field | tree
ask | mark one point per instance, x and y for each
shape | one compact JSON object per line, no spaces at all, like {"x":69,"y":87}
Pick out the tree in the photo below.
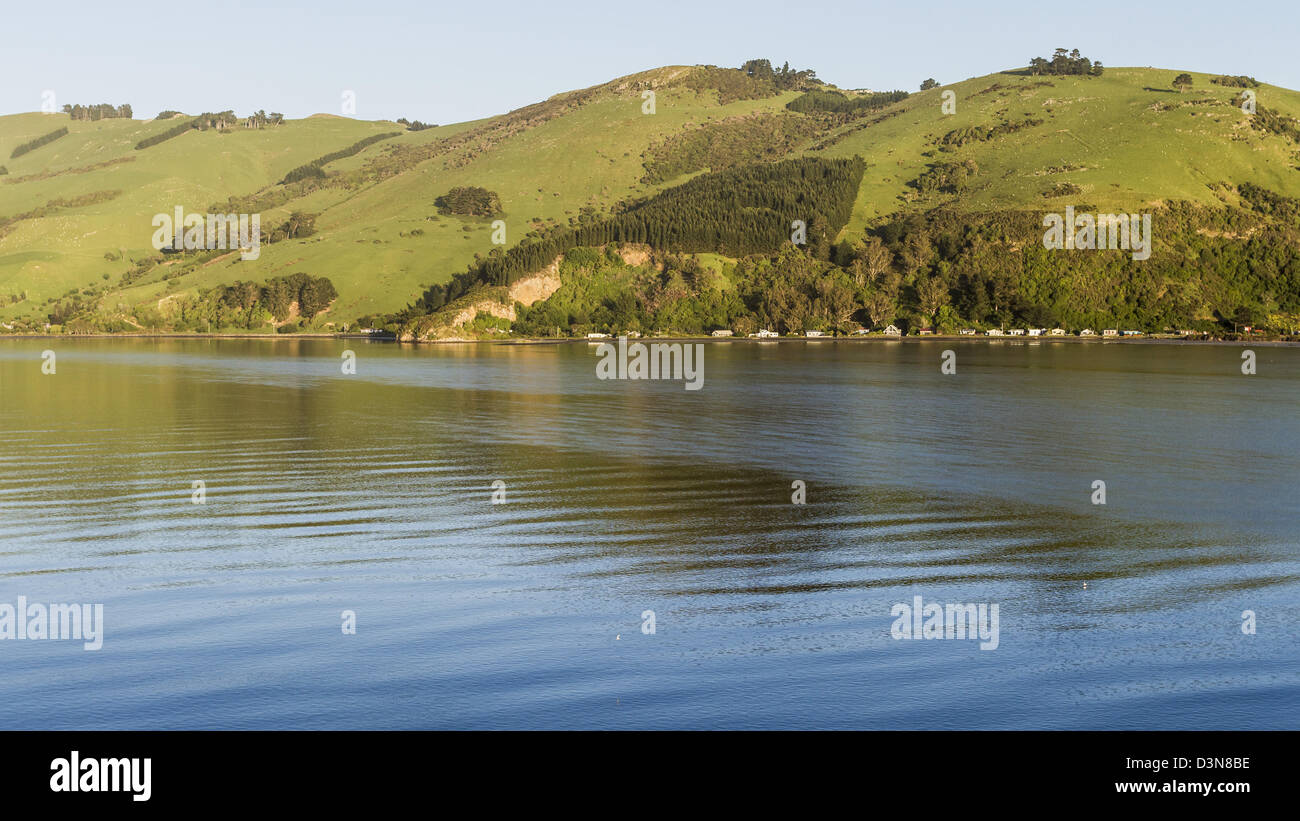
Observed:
{"x":880,"y":308}
{"x":1243,"y":317}
{"x":931,"y":295}
{"x":1183,"y":82}
{"x":926,"y":85}
{"x":787,"y":305}
{"x":917,"y":252}
{"x":1064,"y":62}
{"x":834,"y":301}
{"x":759,"y":69}
{"x":870,"y":259}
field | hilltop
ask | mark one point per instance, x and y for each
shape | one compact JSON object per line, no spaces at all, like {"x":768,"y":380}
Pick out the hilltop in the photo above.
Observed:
{"x":390,"y":215}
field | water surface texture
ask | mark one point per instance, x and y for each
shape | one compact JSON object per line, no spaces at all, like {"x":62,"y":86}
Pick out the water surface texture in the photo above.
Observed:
{"x":372,"y":492}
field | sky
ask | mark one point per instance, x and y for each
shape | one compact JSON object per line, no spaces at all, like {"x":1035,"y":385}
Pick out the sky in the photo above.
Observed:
{"x":445,"y":63}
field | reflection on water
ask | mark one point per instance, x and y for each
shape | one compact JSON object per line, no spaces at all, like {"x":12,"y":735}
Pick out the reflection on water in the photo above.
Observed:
{"x":372,"y":492}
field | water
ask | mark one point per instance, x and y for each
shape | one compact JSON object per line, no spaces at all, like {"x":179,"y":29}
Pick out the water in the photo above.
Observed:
{"x":372,"y":492}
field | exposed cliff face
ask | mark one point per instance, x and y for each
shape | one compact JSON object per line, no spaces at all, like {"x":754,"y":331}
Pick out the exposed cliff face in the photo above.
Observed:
{"x":499,"y":302}
{"x":536,"y":287}
{"x":635,"y":254}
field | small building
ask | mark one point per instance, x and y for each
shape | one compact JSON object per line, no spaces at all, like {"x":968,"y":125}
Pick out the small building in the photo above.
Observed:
{"x":1035,"y":331}
{"x":967,"y":332}
{"x":722,"y":332}
{"x":995,"y":332}
{"x":765,"y":334}
{"x":1132,"y":333}
{"x":1110,"y":332}
{"x":861,"y":331}
{"x":1056,"y":332}
{"x":1087,"y":332}
{"x":597,"y":336}
{"x":927,"y":332}
{"x":1017,"y":331}
{"x":813,"y":334}
{"x":892,"y":330}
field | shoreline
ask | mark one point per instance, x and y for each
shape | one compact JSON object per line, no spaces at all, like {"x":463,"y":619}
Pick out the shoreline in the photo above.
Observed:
{"x":1018,"y":340}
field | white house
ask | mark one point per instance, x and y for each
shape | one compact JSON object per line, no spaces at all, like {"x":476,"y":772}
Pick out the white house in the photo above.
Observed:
{"x":892,"y":331}
{"x":1017,"y":331}
{"x":994,"y":332}
{"x":1087,"y":332}
{"x":813,"y":334}
{"x":967,"y":332}
{"x":722,"y":332}
{"x":1057,"y":332}
{"x":1110,"y":332}
{"x":765,"y":334}
{"x":1035,"y":331}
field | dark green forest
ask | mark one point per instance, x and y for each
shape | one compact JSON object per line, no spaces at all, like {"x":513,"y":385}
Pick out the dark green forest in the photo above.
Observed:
{"x":735,"y":212}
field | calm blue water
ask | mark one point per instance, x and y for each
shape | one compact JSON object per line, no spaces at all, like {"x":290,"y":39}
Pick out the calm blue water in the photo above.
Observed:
{"x":372,"y":492}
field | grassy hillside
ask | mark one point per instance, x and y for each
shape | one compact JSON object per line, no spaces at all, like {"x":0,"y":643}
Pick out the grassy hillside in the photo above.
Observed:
{"x":1127,"y":139}
{"x":83,"y":203}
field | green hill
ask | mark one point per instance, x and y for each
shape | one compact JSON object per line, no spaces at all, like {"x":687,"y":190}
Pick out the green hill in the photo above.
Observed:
{"x":76,"y":212}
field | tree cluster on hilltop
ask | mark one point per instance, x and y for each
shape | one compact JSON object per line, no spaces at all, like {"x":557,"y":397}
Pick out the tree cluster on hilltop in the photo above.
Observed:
{"x":102,"y":111}
{"x":1235,"y":81}
{"x":754,"y":80}
{"x":1064,"y":62}
{"x":783,"y":77}
{"x":208,"y":120}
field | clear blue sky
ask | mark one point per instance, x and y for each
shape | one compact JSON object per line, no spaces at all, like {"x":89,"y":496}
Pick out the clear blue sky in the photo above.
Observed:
{"x":447,"y":62}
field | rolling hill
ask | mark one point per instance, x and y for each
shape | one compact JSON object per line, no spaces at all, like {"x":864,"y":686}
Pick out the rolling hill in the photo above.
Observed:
{"x":76,"y":213}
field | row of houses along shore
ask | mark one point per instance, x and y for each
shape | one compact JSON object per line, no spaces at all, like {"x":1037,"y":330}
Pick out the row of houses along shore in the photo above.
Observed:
{"x":891,"y":330}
